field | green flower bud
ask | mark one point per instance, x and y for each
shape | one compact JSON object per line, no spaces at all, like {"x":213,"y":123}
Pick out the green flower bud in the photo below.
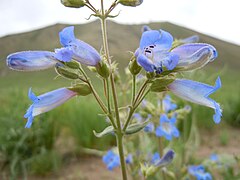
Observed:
{"x":73,"y":64}
{"x":132,"y":3}
{"x":73,"y":3}
{"x":133,"y":66}
{"x":103,"y":69}
{"x":82,"y":89}
{"x":66,"y":72}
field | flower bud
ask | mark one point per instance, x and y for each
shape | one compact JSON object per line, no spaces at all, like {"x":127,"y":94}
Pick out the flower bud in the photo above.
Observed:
{"x":133,"y":67}
{"x":73,"y":3}
{"x":132,"y":3}
{"x":82,"y":89}
{"x":102,"y":69}
{"x":72,"y":64}
{"x":65,"y":71}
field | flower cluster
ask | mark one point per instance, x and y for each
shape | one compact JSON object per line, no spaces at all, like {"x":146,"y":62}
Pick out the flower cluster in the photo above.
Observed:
{"x":73,"y":49}
{"x":199,"y":172}
{"x":156,"y":54}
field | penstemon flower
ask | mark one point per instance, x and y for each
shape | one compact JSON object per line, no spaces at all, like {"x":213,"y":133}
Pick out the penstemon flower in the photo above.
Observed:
{"x":31,"y":60}
{"x":198,"y":93}
{"x":76,"y":49}
{"x":46,"y":102}
{"x":199,"y":172}
{"x":167,"y":127}
{"x":155,"y":52}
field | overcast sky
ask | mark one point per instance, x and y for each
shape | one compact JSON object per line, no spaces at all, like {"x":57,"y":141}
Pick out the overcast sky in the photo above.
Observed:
{"x":218,"y":18}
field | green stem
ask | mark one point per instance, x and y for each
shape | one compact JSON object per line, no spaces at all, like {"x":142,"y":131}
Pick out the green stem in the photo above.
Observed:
{"x":141,"y":91}
{"x":133,"y":88}
{"x":119,"y":134}
{"x":119,"y":137}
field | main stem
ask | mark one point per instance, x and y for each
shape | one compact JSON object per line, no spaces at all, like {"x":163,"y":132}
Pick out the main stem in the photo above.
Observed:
{"x":119,"y":134}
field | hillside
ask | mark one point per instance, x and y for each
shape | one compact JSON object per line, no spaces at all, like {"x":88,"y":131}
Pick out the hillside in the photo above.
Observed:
{"x":122,"y":38}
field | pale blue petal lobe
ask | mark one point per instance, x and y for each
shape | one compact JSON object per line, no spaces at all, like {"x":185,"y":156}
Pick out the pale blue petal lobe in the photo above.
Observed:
{"x":64,"y":54}
{"x":67,"y":36}
{"x":146,"y":63}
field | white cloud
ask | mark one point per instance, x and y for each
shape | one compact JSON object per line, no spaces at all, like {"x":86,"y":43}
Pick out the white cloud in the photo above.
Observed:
{"x":214,"y":17}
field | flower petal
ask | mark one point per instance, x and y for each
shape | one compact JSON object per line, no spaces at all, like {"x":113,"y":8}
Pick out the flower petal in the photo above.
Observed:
{"x":194,"y":56}
{"x":146,"y":63}
{"x":166,"y":159}
{"x":67,"y":36}
{"x":146,"y":28}
{"x":191,"y":39}
{"x":198,"y":93}
{"x":64,"y":54}
{"x":171,"y":61}
{"x":47,"y":102}
{"x":84,"y":53}
{"x":31,"y":60}
{"x":162,"y":39}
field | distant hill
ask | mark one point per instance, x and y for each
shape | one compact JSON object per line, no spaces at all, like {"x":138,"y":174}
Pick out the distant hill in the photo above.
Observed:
{"x":122,"y":38}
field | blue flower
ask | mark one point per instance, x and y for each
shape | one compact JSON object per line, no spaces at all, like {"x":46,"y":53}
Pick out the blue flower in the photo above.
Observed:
{"x":46,"y":102}
{"x":76,"y":49}
{"x":155,"y":52}
{"x":214,"y":157}
{"x":191,"y":39}
{"x":194,"y":55}
{"x":199,"y":172}
{"x":165,"y":160}
{"x":112,"y":160}
{"x":155,"y":158}
{"x":198,"y":93}
{"x":168,"y":105}
{"x":167,"y":127}
{"x":31,"y":60}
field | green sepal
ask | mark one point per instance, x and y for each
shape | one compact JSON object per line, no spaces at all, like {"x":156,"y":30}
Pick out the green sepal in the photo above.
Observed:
{"x":106,"y":131}
{"x":82,"y":89}
{"x":134,"y":128}
{"x":73,"y":3}
{"x":160,"y":84}
{"x":72,"y":64}
{"x":133,"y":66}
{"x":103,"y":69}
{"x":66,"y":72}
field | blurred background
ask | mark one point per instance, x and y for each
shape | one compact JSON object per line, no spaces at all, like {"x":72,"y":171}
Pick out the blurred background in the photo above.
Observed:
{"x":58,"y":145}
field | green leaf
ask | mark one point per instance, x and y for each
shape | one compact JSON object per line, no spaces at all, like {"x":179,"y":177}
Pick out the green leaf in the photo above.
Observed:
{"x":134,"y":128}
{"x":160,"y":84}
{"x":107,"y":130}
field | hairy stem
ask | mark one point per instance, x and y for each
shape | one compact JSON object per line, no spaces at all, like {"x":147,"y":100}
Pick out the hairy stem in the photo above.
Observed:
{"x":119,"y":134}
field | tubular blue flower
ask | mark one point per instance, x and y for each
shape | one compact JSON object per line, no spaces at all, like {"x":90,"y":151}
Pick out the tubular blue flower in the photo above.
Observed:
{"x":155,"y":158}
{"x":167,"y":104}
{"x":194,"y":55}
{"x":191,"y":39}
{"x":198,"y":93}
{"x":199,"y":172}
{"x":76,"y":49}
{"x":166,"y":159}
{"x":31,"y":60}
{"x":46,"y":102}
{"x":112,"y":160}
{"x":153,"y":52}
{"x":167,"y":127}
